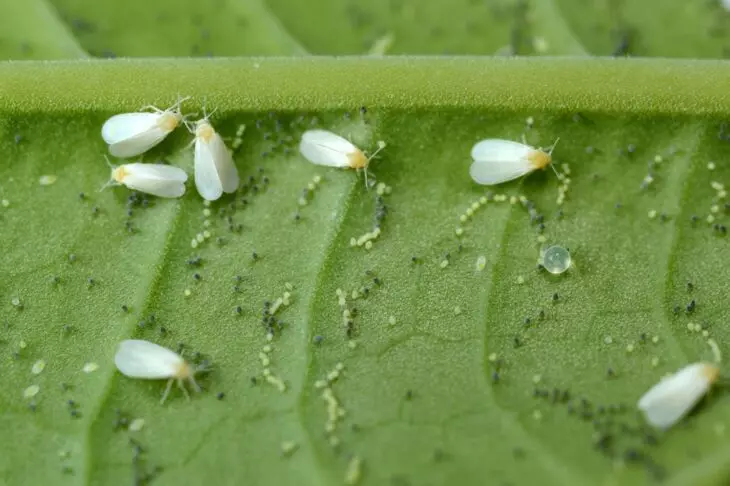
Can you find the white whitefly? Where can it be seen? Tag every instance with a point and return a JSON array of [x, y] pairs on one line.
[[496, 161], [131, 134], [673, 397], [145, 360]]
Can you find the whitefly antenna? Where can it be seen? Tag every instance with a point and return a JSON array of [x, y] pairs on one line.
[[381, 146], [110, 182]]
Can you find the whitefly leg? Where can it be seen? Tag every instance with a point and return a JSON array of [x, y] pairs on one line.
[[167, 390]]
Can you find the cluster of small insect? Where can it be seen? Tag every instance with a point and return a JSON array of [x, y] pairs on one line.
[[238, 140], [718, 208], [308, 192], [273, 326], [204, 235], [564, 178], [616, 434], [349, 312], [141, 472], [269, 376], [470, 211], [335, 410], [367, 239]]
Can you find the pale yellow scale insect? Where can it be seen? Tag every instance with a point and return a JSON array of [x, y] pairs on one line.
[[497, 161]]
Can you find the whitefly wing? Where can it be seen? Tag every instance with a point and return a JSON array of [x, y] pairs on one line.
[[323, 147], [130, 134], [225, 167], [143, 359], [672, 398], [497, 161], [207, 181], [156, 179]]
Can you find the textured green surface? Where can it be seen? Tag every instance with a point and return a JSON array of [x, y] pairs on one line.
[[629, 273], [422, 405]]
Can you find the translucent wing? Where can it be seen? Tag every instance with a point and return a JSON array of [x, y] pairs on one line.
[[143, 359], [156, 179], [326, 148], [131, 134], [497, 161]]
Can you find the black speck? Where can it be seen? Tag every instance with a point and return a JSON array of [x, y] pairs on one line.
[[125, 308], [556, 297], [632, 455], [318, 339], [196, 276], [220, 395]]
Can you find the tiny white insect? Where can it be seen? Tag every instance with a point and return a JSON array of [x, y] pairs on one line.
[[131, 134], [215, 171], [156, 179], [672, 398], [143, 359], [322, 147], [497, 161]]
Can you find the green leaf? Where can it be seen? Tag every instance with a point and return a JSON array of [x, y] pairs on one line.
[[31, 30], [173, 28], [420, 399]]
